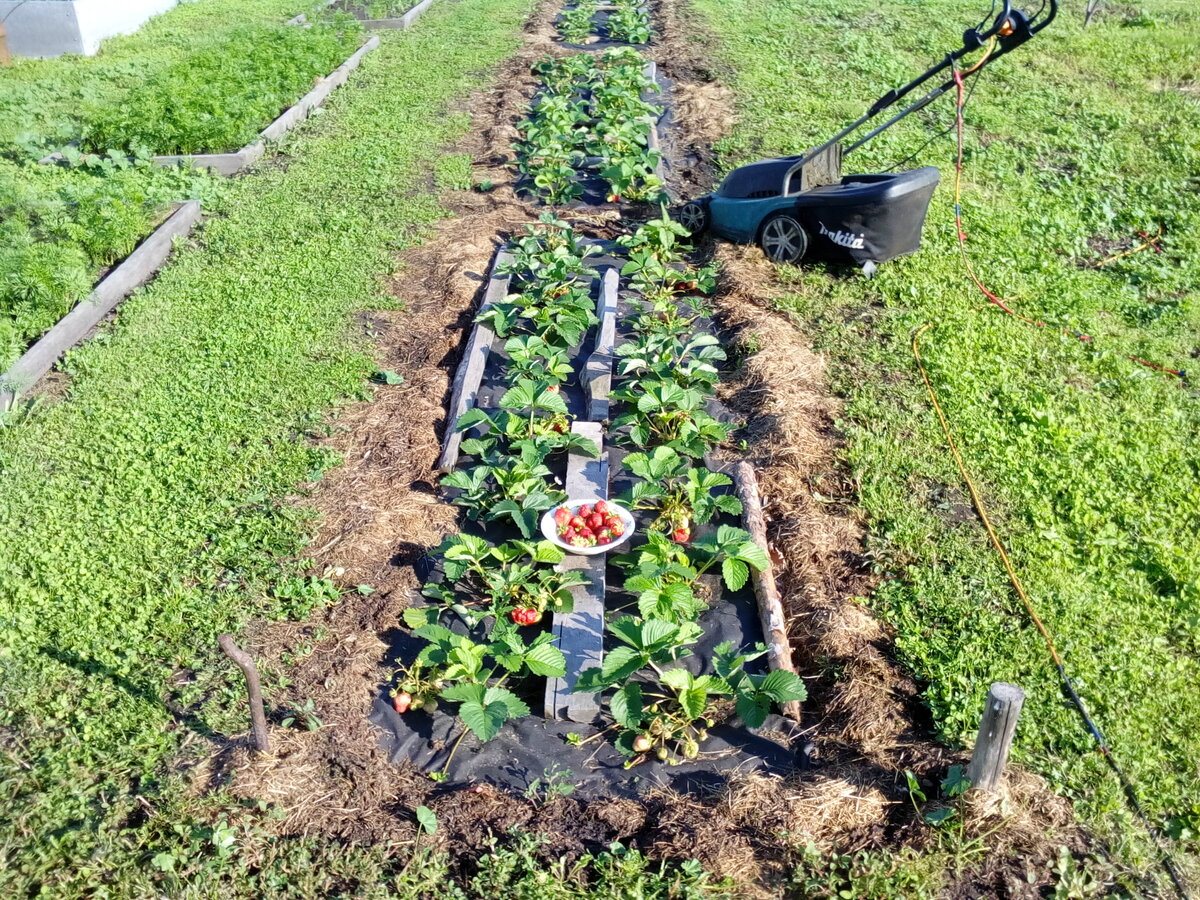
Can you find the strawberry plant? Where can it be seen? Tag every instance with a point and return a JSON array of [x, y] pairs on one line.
[[665, 357], [532, 357], [490, 582], [629, 22], [663, 414], [560, 314], [575, 23], [678, 491], [473, 674], [529, 410], [665, 712], [513, 483]]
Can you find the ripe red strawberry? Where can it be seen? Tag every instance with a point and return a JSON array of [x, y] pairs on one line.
[[560, 427], [577, 522], [617, 528], [525, 615], [402, 702], [611, 520], [601, 507], [562, 515], [595, 521], [584, 511], [605, 536], [681, 535], [586, 533]]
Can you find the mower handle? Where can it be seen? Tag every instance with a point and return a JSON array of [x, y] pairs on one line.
[[1009, 27]]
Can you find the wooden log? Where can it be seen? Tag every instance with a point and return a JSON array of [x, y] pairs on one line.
[[580, 633], [258, 717], [471, 367], [137, 269], [599, 368], [997, 728], [770, 607]]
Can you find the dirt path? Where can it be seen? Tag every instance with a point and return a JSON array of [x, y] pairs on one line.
[[380, 514]]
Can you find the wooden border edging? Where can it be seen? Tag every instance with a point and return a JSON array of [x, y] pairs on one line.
[[598, 370], [474, 359], [136, 270], [399, 24], [652, 139], [770, 607], [580, 633], [232, 163]]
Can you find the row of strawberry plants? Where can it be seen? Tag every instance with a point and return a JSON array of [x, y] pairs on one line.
[[498, 589], [627, 23], [591, 114], [668, 372]]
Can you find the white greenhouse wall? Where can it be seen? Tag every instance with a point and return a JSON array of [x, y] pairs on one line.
[[53, 27]]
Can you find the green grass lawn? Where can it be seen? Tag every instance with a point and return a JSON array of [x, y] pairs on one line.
[[1089, 462], [204, 76], [144, 515]]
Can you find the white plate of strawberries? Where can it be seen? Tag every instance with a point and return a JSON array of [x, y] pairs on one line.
[[587, 527]]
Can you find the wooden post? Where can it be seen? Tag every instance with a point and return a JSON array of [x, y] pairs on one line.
[[258, 718], [996, 731], [770, 607], [5, 58]]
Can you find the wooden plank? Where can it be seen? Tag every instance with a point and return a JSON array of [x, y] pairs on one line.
[[415, 13], [318, 95], [997, 728], [137, 269], [770, 607], [580, 633], [598, 372], [652, 139], [474, 360]]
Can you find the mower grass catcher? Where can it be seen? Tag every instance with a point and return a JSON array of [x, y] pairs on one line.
[[798, 206]]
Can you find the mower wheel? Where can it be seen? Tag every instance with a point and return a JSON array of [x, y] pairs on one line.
[[782, 239], [693, 216]]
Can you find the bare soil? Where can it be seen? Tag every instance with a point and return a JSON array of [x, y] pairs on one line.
[[380, 514]]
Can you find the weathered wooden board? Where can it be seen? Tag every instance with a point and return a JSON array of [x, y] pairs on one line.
[[997, 728], [770, 607], [598, 371], [471, 367], [137, 269], [580, 633]]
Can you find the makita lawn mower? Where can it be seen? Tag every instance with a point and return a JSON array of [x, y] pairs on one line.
[[798, 206]]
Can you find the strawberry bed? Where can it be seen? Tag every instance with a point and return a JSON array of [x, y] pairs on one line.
[[590, 376], [680, 674]]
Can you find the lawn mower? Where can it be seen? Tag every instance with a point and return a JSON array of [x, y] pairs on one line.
[[795, 206]]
